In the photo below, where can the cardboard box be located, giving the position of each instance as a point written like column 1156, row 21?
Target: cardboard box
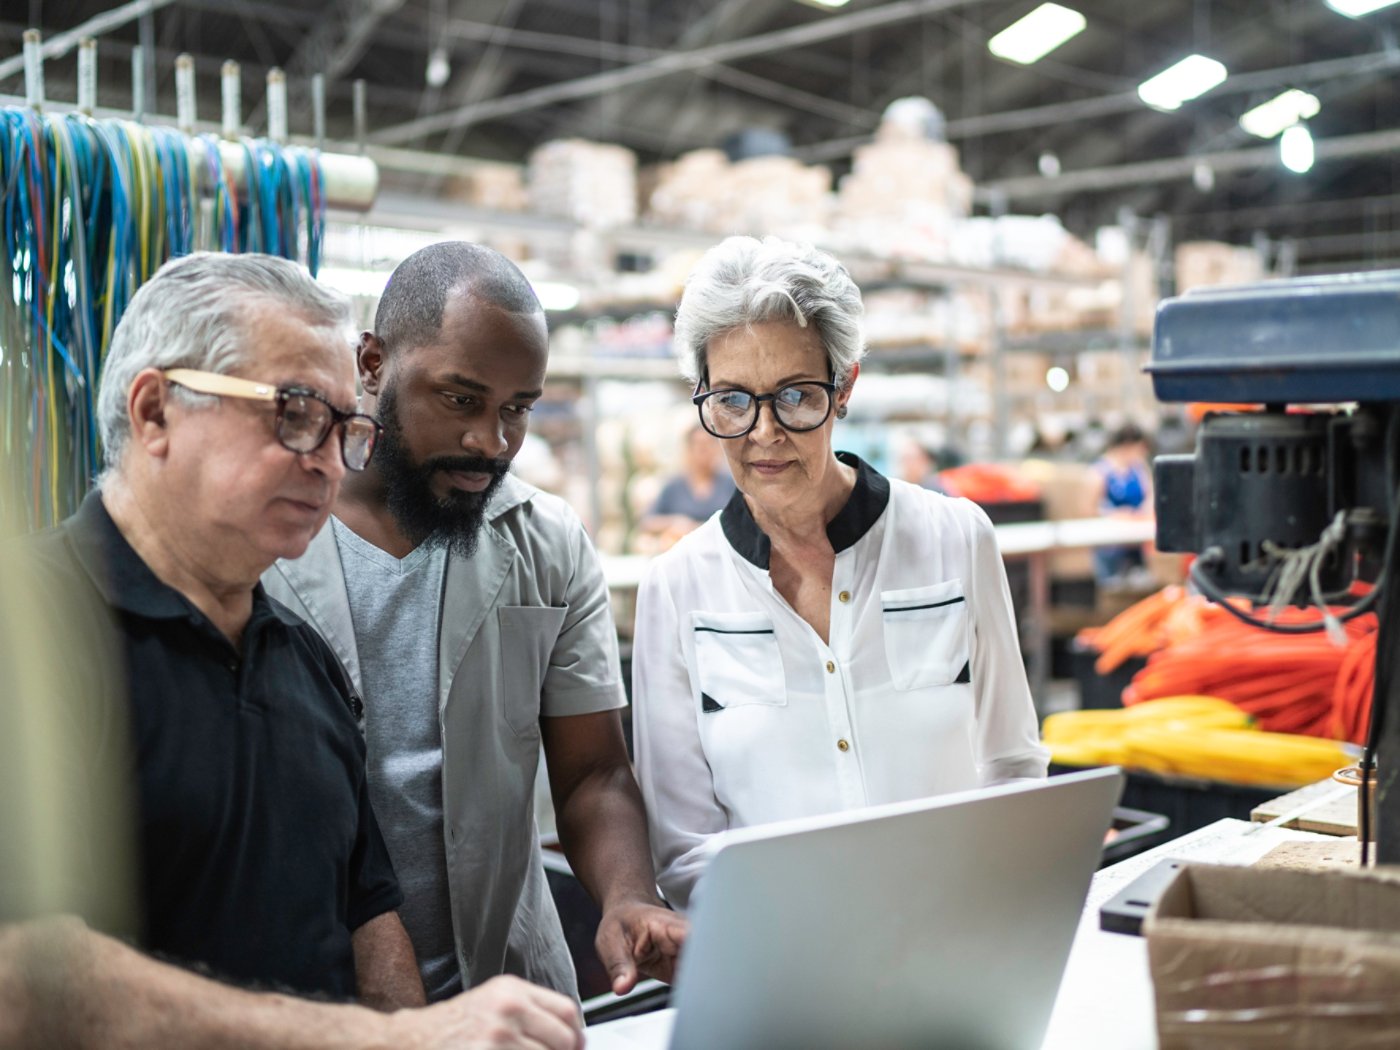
column 1276, row 958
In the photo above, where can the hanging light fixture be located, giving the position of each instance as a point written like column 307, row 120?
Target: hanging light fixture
column 1295, row 149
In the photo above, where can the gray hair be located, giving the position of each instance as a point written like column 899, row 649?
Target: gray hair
column 743, row 281
column 194, row 314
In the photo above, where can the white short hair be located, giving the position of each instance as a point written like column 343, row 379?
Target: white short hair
column 193, row 313
column 743, row 281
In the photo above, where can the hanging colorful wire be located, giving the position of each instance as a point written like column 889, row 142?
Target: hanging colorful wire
column 89, row 210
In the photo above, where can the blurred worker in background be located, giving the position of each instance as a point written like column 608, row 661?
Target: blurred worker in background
column 1125, row 485
column 918, row 465
column 172, row 679
column 701, row 489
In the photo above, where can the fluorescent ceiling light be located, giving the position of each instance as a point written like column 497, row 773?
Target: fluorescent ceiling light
column 555, row 295
column 826, row 3
column 1357, row 8
column 1193, row 76
column 1295, row 149
column 1036, row 35
column 1282, row 111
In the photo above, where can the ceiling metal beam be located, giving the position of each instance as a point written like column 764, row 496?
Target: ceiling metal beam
column 1126, row 102
column 553, row 43
column 1348, row 243
column 1170, row 169
column 793, row 97
column 1313, row 211
column 1348, row 266
column 334, row 46
column 61, row 43
column 557, row 43
column 669, row 65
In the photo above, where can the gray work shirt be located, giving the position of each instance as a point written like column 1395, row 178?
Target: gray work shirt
column 395, row 604
column 526, row 631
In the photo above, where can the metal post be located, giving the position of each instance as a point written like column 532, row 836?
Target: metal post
column 1001, row 400
column 590, row 420
column 146, row 28
column 231, row 91
column 185, row 114
column 138, row 84
column 276, row 105
column 361, row 116
column 318, row 110
column 1126, row 340
column 33, row 69
column 87, row 77
column 1035, row 628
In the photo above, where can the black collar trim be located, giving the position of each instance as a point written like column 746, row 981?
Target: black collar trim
column 868, row 501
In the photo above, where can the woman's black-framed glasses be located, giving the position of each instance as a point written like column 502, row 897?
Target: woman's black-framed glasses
column 733, row 413
column 304, row 418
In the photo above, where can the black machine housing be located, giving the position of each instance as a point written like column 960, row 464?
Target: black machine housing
column 1322, row 358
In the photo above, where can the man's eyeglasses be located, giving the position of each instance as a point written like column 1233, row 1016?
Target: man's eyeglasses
column 304, row 418
column 733, row 413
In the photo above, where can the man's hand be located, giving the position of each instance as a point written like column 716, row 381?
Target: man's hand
column 505, row 1013
column 638, row 940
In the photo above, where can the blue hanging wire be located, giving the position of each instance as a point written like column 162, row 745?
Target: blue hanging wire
column 269, row 187
column 318, row 239
column 292, row 197
column 250, row 234
column 30, row 185
column 223, row 210
column 117, row 270
column 55, row 320
column 81, row 184
column 88, row 210
column 309, row 179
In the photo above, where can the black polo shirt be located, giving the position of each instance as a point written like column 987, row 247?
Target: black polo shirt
column 257, row 849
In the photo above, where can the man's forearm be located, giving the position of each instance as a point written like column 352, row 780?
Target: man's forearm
column 62, row 985
column 603, row 829
column 386, row 970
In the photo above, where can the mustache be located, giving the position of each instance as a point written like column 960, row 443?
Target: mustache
column 469, row 465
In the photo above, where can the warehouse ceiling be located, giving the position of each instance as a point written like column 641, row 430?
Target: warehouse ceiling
column 667, row 76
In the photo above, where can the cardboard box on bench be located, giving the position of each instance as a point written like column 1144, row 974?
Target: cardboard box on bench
column 1255, row 957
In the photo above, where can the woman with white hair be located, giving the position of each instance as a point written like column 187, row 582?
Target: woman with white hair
column 832, row 639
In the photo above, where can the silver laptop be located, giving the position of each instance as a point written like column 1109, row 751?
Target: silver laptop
column 941, row 922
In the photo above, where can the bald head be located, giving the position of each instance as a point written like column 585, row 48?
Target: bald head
column 413, row 304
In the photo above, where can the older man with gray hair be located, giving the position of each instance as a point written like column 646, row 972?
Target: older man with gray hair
column 227, row 412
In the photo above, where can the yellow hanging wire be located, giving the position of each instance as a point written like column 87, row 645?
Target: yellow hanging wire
column 137, row 136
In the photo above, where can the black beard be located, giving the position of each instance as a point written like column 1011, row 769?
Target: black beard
column 452, row 521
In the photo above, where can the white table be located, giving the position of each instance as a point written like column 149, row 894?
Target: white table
column 1105, row 999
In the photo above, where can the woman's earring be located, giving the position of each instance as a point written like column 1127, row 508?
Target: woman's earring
column 840, row 411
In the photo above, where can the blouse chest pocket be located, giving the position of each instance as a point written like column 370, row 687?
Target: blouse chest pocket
column 926, row 635
column 737, row 661
column 528, row 634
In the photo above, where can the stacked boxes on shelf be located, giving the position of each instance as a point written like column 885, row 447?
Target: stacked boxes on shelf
column 1203, row 263
column 495, row 187
column 906, row 194
column 759, row 195
column 589, row 182
column 959, row 320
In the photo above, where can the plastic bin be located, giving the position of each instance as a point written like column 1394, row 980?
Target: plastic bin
column 1098, row 691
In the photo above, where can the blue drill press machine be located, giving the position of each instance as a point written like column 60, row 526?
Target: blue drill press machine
column 1306, row 493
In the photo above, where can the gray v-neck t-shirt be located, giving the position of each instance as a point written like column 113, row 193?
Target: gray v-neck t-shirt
column 396, row 606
